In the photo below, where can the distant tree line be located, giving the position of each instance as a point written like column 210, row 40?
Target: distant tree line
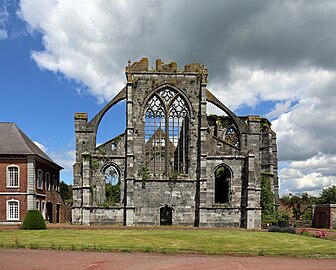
column 292, row 206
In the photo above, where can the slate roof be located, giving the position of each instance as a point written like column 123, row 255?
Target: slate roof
column 14, row 142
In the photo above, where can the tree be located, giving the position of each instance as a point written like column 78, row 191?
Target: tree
column 66, row 193
column 328, row 195
column 301, row 204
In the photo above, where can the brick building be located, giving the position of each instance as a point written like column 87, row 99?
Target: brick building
column 174, row 164
column 29, row 179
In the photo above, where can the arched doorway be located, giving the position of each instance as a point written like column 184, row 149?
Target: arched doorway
column 166, row 216
column 222, row 184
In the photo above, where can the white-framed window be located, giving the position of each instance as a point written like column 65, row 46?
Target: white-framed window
column 13, row 210
column 43, row 210
column 39, row 179
column 13, row 176
column 54, row 182
column 47, row 181
column 37, row 205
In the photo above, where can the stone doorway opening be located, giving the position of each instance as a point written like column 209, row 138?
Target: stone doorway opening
column 166, row 216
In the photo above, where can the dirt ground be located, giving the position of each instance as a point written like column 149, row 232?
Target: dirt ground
column 17, row 259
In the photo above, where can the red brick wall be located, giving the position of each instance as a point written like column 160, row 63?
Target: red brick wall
column 22, row 205
column 22, row 163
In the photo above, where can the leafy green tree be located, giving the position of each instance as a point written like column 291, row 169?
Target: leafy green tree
column 66, row 192
column 328, row 195
column 301, row 204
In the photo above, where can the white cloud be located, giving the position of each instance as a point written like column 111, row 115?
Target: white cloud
column 3, row 22
column 310, row 126
column 298, row 181
column 41, row 146
column 279, row 109
column 64, row 158
column 279, row 51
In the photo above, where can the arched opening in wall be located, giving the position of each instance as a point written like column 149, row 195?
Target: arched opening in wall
column 112, row 185
column 222, row 126
column 49, row 212
column 166, row 216
column 112, row 124
column 167, row 121
column 222, row 184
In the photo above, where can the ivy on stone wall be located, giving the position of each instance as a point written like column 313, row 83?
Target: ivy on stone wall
column 267, row 197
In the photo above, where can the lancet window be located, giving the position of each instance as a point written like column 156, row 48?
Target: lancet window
column 166, row 134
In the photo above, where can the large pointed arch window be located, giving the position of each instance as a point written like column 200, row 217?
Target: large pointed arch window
column 166, row 134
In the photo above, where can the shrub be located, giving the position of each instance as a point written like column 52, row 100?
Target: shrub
column 33, row 221
column 274, row 229
column 281, row 229
column 288, row 230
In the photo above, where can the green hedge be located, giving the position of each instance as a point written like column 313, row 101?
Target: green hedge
column 33, row 221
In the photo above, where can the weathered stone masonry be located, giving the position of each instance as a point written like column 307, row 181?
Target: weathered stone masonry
column 174, row 164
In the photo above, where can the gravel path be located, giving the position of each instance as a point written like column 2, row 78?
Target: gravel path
column 17, row 259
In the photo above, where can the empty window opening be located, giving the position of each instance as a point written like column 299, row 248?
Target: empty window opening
column 112, row 185
column 222, row 126
column 222, row 184
column 166, row 216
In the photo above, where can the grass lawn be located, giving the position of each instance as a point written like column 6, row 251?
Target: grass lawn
column 237, row 242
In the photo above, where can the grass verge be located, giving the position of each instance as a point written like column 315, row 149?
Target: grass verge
column 227, row 242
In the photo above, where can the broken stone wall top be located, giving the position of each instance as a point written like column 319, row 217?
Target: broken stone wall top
column 160, row 67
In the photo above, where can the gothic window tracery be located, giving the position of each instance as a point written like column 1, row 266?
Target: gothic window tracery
column 166, row 134
column 231, row 136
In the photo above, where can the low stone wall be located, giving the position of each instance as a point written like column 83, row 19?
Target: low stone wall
column 220, row 217
column 109, row 215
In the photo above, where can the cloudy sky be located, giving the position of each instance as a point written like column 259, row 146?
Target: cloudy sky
column 272, row 58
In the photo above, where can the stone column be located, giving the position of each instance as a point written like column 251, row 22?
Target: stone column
column 81, row 141
column 201, row 193
column 253, row 210
column 31, row 184
column 129, row 168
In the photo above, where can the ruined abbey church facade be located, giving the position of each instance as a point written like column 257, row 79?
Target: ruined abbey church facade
column 174, row 164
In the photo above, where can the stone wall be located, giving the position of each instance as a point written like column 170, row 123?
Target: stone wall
column 246, row 151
